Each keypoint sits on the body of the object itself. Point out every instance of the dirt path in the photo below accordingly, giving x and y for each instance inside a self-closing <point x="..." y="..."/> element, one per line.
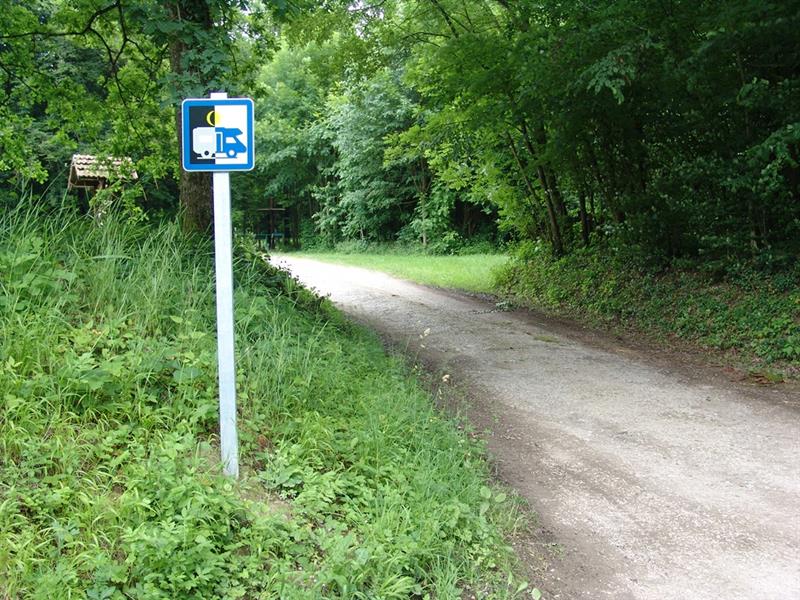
<point x="653" y="483"/>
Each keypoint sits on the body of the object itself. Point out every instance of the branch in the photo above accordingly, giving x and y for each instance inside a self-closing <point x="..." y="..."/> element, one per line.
<point x="428" y="33"/>
<point x="449" y="19"/>
<point x="365" y="9"/>
<point x="420" y="36"/>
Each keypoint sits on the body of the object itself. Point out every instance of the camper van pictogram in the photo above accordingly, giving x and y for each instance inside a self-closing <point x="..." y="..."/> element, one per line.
<point x="212" y="142"/>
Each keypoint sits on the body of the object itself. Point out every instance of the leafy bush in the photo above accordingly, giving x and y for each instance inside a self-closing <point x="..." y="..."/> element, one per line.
<point x="757" y="315"/>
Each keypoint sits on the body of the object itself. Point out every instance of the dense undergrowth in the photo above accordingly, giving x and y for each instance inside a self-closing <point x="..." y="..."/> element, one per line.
<point x="750" y="314"/>
<point x="447" y="245"/>
<point x="353" y="486"/>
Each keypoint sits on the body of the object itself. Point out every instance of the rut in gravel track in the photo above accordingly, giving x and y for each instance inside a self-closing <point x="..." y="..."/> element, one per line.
<point x="652" y="482"/>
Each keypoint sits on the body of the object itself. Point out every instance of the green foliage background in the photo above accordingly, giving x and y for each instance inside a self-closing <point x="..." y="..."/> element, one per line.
<point x="668" y="127"/>
<point x="671" y="128"/>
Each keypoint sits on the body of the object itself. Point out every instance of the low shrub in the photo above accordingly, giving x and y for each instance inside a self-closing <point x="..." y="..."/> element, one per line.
<point x="752" y="313"/>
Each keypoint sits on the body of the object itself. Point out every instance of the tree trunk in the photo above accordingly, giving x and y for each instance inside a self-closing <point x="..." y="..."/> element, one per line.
<point x="424" y="222"/>
<point x="546" y="173"/>
<point x="615" y="184"/>
<point x="551" y="199"/>
<point x="584" y="217"/>
<point x="558" y="244"/>
<point x="195" y="196"/>
<point x="552" y="182"/>
<point x="554" y="229"/>
<point x="194" y="188"/>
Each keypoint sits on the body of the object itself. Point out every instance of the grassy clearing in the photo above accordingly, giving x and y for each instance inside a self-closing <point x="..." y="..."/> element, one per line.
<point x="472" y="272"/>
<point x="754" y="318"/>
<point x="353" y="486"/>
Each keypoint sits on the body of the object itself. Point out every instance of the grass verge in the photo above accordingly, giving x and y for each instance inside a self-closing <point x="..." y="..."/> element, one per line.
<point x="353" y="486"/>
<point x="471" y="272"/>
<point x="753" y="318"/>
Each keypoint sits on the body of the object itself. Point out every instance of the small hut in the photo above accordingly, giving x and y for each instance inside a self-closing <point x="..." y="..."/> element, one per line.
<point x="94" y="172"/>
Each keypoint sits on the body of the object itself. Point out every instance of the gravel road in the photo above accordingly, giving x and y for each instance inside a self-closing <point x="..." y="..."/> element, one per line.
<point x="652" y="481"/>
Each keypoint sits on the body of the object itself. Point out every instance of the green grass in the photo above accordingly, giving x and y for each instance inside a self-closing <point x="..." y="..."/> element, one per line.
<point x="472" y="272"/>
<point x="110" y="487"/>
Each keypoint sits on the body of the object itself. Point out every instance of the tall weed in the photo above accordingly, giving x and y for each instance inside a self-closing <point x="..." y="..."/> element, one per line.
<point x="110" y="487"/>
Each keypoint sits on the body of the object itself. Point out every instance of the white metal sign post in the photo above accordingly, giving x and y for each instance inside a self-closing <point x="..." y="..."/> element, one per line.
<point x="218" y="137"/>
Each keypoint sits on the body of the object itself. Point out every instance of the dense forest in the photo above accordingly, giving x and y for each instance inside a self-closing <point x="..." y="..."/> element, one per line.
<point x="667" y="129"/>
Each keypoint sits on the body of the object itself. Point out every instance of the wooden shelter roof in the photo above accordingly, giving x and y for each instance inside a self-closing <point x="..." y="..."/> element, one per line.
<point x="87" y="171"/>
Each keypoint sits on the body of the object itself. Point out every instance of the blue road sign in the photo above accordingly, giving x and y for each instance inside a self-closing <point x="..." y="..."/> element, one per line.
<point x="217" y="134"/>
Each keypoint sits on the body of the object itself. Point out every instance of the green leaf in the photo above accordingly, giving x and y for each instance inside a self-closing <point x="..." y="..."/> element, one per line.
<point x="184" y="374"/>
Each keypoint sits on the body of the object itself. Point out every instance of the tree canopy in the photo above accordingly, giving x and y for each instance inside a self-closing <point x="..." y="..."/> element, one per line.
<point x="666" y="128"/>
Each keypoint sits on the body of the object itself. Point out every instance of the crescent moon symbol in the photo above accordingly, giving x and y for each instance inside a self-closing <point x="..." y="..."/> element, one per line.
<point x="211" y="118"/>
